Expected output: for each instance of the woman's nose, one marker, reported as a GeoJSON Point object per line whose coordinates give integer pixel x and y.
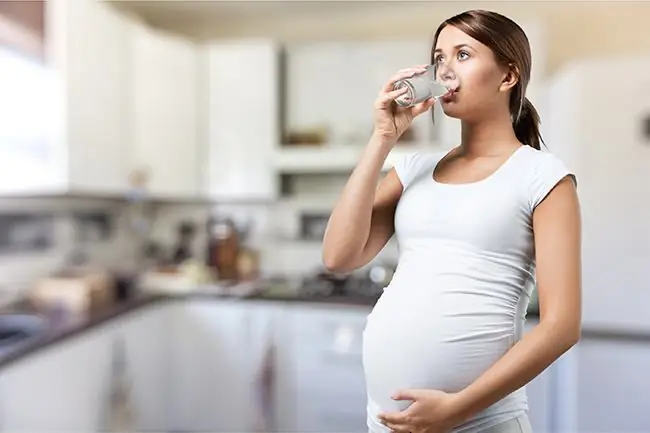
{"type": "Point", "coordinates": [444, 72]}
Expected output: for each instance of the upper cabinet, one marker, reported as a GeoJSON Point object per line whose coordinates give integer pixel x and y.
{"type": "Point", "coordinates": [330, 89]}
{"type": "Point", "coordinates": [332, 86]}
{"type": "Point", "coordinates": [243, 120]}
{"type": "Point", "coordinates": [88, 48]}
{"type": "Point", "coordinates": [64, 121]}
{"type": "Point", "coordinates": [113, 97]}
{"type": "Point", "coordinates": [166, 114]}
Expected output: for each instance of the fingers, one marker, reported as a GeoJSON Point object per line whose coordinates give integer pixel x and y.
{"type": "Point", "coordinates": [401, 74]}
{"type": "Point", "coordinates": [385, 99]}
{"type": "Point", "coordinates": [395, 424]}
{"type": "Point", "coordinates": [388, 95]}
{"type": "Point", "coordinates": [422, 107]}
{"type": "Point", "coordinates": [397, 428]}
{"type": "Point", "coordinates": [393, 418]}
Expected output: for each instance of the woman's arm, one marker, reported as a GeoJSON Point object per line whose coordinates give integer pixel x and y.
{"type": "Point", "coordinates": [557, 231]}
{"type": "Point", "coordinates": [362, 220]}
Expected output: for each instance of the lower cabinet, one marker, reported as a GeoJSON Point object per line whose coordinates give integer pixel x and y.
{"type": "Point", "coordinates": [199, 365]}
{"type": "Point", "coordinates": [66, 387]}
{"type": "Point", "coordinates": [60, 389]}
{"type": "Point", "coordinates": [193, 366]}
{"type": "Point", "coordinates": [320, 381]}
{"type": "Point", "coordinates": [216, 360]}
{"type": "Point", "coordinates": [148, 351]}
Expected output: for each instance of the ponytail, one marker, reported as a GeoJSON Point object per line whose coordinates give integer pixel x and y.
{"type": "Point", "coordinates": [526, 125]}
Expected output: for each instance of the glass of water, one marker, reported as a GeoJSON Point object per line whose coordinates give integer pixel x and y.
{"type": "Point", "coordinates": [420, 87]}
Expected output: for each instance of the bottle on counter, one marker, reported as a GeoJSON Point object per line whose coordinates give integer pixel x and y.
{"type": "Point", "coordinates": [224, 246]}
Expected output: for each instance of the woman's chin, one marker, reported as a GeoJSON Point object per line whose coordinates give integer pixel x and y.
{"type": "Point", "coordinates": [451, 110]}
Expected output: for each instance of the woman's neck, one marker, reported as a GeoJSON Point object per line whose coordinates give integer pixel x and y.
{"type": "Point", "coordinates": [488, 137]}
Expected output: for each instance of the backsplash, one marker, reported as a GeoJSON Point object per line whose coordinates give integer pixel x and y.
{"type": "Point", "coordinates": [39, 236]}
{"type": "Point", "coordinates": [22, 232]}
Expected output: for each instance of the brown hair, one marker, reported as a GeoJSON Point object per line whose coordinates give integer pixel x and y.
{"type": "Point", "coordinates": [510, 46]}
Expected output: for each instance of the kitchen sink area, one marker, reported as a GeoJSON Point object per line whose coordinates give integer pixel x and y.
{"type": "Point", "coordinates": [20, 328]}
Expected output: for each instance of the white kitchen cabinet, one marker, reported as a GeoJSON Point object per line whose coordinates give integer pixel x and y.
{"type": "Point", "coordinates": [166, 110]}
{"type": "Point", "coordinates": [116, 96]}
{"type": "Point", "coordinates": [243, 119]}
{"type": "Point", "coordinates": [66, 388]}
{"type": "Point", "coordinates": [321, 384]}
{"type": "Point", "coordinates": [191, 366]}
{"type": "Point", "coordinates": [211, 383]}
{"type": "Point", "coordinates": [68, 122]}
{"type": "Point", "coordinates": [88, 47]}
{"type": "Point", "coordinates": [318, 74]}
{"type": "Point", "coordinates": [147, 337]}
{"type": "Point", "coordinates": [61, 389]}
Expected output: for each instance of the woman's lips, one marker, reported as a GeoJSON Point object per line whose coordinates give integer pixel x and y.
{"type": "Point", "coordinates": [450, 95]}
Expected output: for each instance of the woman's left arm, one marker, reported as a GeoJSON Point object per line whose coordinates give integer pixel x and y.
{"type": "Point", "coordinates": [558, 239]}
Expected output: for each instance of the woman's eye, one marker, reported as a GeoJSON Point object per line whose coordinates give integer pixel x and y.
{"type": "Point", "coordinates": [437, 60]}
{"type": "Point", "coordinates": [463, 55]}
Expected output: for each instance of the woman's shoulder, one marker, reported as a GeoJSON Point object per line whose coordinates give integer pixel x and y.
{"type": "Point", "coordinates": [543, 171]}
{"type": "Point", "coordinates": [543, 163]}
{"type": "Point", "coordinates": [540, 156]}
{"type": "Point", "coordinates": [412, 165]}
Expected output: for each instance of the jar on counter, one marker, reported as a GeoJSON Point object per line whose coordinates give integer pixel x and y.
{"type": "Point", "coordinates": [224, 246]}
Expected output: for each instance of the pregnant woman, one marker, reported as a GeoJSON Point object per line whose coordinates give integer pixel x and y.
{"type": "Point", "coordinates": [443, 347]}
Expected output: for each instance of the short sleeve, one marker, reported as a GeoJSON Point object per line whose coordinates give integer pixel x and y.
{"type": "Point", "coordinates": [405, 167]}
{"type": "Point", "coordinates": [413, 165]}
{"type": "Point", "coordinates": [547, 173]}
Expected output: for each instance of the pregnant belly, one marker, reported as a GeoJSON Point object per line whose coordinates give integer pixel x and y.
{"type": "Point", "coordinates": [411, 342]}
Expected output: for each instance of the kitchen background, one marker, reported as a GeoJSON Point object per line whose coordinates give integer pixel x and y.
{"type": "Point", "coordinates": [166, 171]}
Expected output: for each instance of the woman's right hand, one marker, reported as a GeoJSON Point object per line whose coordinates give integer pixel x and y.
{"type": "Point", "coordinates": [392, 120]}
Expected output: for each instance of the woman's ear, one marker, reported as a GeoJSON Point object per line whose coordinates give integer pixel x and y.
{"type": "Point", "coordinates": [510, 79]}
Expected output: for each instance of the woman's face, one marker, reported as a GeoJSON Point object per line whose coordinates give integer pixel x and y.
{"type": "Point", "coordinates": [470, 67]}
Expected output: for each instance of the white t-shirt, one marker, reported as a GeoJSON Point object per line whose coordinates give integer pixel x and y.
{"type": "Point", "coordinates": [458, 299]}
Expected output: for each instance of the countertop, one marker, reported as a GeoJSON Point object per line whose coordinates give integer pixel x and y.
{"type": "Point", "coordinates": [59, 333]}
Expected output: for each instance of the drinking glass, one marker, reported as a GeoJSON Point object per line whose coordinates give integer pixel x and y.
{"type": "Point", "coordinates": [420, 87]}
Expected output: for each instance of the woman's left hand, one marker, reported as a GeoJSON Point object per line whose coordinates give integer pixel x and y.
{"type": "Point", "coordinates": [432, 411]}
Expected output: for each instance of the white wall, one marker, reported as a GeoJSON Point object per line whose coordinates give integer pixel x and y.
{"type": "Point", "coordinates": [596, 128]}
